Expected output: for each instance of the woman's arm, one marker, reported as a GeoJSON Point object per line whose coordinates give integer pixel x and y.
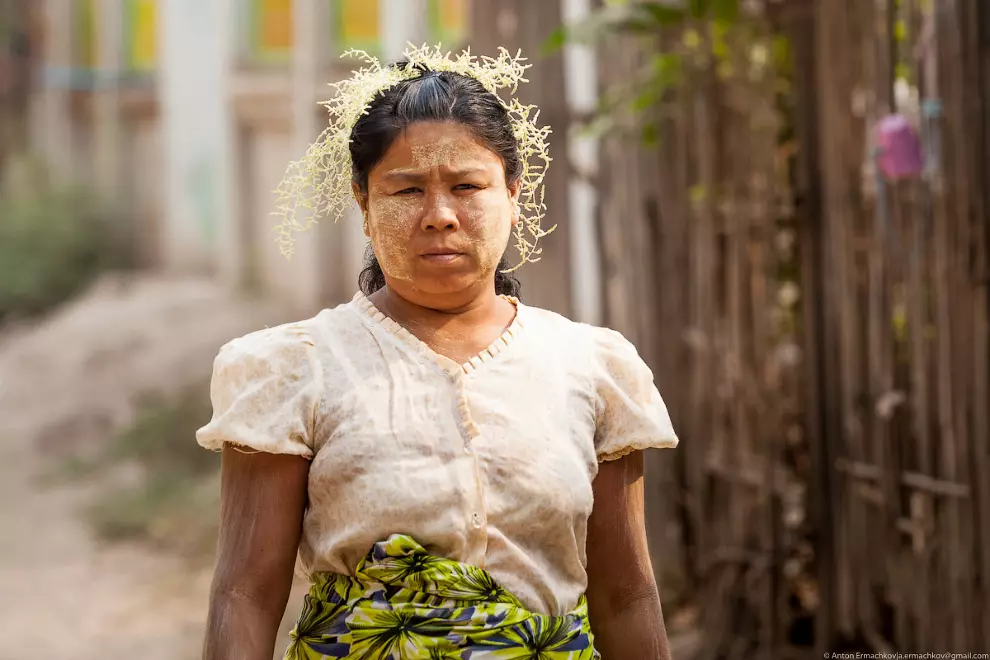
{"type": "Point", "coordinates": [622, 593]}
{"type": "Point", "coordinates": [263, 497]}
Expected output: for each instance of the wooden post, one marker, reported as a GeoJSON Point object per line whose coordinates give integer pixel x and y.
{"type": "Point", "coordinates": [107, 128]}
{"type": "Point", "coordinates": [581, 85]}
{"type": "Point", "coordinates": [403, 21]}
{"type": "Point", "coordinates": [51, 120]}
{"type": "Point", "coordinates": [19, 53]}
{"type": "Point", "coordinates": [981, 357]}
{"type": "Point", "coordinates": [306, 261]}
{"type": "Point", "coordinates": [200, 230]}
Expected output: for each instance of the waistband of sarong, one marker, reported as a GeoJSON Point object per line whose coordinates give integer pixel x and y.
{"type": "Point", "coordinates": [400, 586]}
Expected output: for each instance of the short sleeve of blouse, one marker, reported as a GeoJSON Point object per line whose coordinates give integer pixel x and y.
{"type": "Point", "coordinates": [265, 390]}
{"type": "Point", "coordinates": [631, 415]}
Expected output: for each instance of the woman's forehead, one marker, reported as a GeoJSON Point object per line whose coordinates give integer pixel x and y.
{"type": "Point", "coordinates": [426, 146]}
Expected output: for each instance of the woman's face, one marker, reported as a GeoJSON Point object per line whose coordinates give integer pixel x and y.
{"type": "Point", "coordinates": [438, 211]}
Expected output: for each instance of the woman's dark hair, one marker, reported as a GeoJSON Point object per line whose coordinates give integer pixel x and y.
{"type": "Point", "coordinates": [433, 96]}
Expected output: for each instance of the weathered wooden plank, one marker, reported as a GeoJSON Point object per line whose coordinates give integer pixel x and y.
{"type": "Point", "coordinates": [980, 448]}
{"type": "Point", "coordinates": [981, 458]}
{"type": "Point", "coordinates": [935, 486]}
{"type": "Point", "coordinates": [818, 400]}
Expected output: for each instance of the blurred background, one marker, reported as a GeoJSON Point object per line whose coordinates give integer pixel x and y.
{"type": "Point", "coordinates": [784, 204]}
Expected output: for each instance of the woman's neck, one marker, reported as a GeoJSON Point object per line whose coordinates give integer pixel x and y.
{"type": "Point", "coordinates": [459, 310]}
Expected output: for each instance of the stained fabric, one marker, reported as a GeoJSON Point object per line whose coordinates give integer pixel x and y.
{"type": "Point", "coordinates": [489, 463]}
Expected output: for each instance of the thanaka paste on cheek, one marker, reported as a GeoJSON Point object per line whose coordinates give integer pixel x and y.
{"type": "Point", "coordinates": [390, 225]}
{"type": "Point", "coordinates": [489, 229]}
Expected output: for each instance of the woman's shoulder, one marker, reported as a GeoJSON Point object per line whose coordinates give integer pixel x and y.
{"type": "Point", "coordinates": [272, 338]}
{"type": "Point", "coordinates": [558, 327]}
{"type": "Point", "coordinates": [290, 337]}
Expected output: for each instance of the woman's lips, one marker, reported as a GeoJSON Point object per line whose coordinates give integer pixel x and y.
{"type": "Point", "coordinates": [442, 257]}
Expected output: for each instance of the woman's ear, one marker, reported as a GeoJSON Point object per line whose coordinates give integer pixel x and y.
{"type": "Point", "coordinates": [362, 200]}
{"type": "Point", "coordinates": [514, 189]}
{"type": "Point", "coordinates": [360, 197]}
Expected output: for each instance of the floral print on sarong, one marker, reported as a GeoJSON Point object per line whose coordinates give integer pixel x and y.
{"type": "Point", "coordinates": [405, 604]}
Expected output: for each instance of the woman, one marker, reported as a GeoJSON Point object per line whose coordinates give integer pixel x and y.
{"type": "Point", "coordinates": [459, 473]}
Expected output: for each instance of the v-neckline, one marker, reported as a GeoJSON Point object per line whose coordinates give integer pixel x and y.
{"type": "Point", "coordinates": [371, 311]}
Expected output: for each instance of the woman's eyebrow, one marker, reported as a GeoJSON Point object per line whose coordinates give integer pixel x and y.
{"type": "Point", "coordinates": [403, 174]}
{"type": "Point", "coordinates": [468, 171]}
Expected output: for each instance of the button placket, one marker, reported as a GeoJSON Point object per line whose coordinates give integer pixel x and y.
{"type": "Point", "coordinates": [477, 518]}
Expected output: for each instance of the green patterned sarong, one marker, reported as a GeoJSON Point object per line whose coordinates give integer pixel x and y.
{"type": "Point", "coordinates": [405, 604]}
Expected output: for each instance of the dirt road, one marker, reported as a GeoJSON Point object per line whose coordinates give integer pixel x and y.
{"type": "Point", "coordinates": [66, 384]}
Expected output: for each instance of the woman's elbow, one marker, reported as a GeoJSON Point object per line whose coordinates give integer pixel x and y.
{"type": "Point", "coordinates": [242, 590]}
{"type": "Point", "coordinates": [241, 623]}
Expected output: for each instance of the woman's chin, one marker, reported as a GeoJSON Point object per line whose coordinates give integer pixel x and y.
{"type": "Point", "coordinates": [452, 275]}
{"type": "Point", "coordinates": [447, 280]}
{"type": "Point", "coordinates": [442, 286]}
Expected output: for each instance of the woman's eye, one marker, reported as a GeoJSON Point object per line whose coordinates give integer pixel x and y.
{"type": "Point", "coordinates": [466, 186]}
{"type": "Point", "coordinates": [407, 191]}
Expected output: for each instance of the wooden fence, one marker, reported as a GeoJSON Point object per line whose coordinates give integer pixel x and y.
{"type": "Point", "coordinates": [904, 332]}
{"type": "Point", "coordinates": [820, 332]}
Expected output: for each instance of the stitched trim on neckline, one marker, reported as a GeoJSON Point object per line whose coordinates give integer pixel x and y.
{"type": "Point", "coordinates": [365, 305]}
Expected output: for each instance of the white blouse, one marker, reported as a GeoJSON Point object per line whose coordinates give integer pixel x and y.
{"type": "Point", "coordinates": [489, 462]}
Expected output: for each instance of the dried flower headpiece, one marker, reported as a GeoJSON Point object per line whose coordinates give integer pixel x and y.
{"type": "Point", "coordinates": [320, 184]}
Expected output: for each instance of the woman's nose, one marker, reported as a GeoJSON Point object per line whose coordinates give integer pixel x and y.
{"type": "Point", "coordinates": [440, 214]}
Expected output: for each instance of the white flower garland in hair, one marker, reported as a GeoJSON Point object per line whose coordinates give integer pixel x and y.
{"type": "Point", "coordinates": [319, 185]}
